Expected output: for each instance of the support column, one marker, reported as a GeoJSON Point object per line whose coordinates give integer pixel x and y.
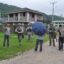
{"type": "Point", "coordinates": [27, 16]}
{"type": "Point", "coordinates": [14, 17]}
{"type": "Point", "coordinates": [18, 16]}
{"type": "Point", "coordinates": [8, 18]}
{"type": "Point", "coordinates": [36, 18]}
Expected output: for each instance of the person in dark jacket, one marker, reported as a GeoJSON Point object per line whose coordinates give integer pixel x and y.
{"type": "Point", "coordinates": [61, 37]}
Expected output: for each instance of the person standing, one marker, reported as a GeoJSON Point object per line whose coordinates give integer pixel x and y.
{"type": "Point", "coordinates": [29, 31]}
{"type": "Point", "coordinates": [6, 35]}
{"type": "Point", "coordinates": [39, 30]}
{"type": "Point", "coordinates": [19, 31]}
{"type": "Point", "coordinates": [61, 37]}
{"type": "Point", "coordinates": [22, 30]}
{"type": "Point", "coordinates": [39, 41]}
{"type": "Point", "coordinates": [52, 35]}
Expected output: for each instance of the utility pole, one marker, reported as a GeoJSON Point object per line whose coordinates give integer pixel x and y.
{"type": "Point", "coordinates": [53, 3]}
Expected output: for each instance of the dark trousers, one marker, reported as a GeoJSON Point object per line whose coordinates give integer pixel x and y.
{"type": "Point", "coordinates": [52, 41]}
{"type": "Point", "coordinates": [61, 40]}
{"type": "Point", "coordinates": [29, 36]}
{"type": "Point", "coordinates": [6, 40]}
{"type": "Point", "coordinates": [37, 43]}
{"type": "Point", "coordinates": [19, 38]}
{"type": "Point", "coordinates": [22, 35]}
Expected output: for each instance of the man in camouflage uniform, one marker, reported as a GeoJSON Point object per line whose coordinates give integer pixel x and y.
{"type": "Point", "coordinates": [19, 31]}
{"type": "Point", "coordinates": [29, 31]}
{"type": "Point", "coordinates": [52, 35]}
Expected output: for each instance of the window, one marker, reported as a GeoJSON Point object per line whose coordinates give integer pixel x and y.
{"type": "Point", "coordinates": [11, 15]}
{"type": "Point", "coordinates": [16, 14]}
{"type": "Point", "coordinates": [24, 13]}
{"type": "Point", "coordinates": [32, 15]}
{"type": "Point", "coordinates": [56, 23]}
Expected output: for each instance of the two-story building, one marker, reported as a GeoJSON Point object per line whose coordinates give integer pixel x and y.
{"type": "Point", "coordinates": [24, 15]}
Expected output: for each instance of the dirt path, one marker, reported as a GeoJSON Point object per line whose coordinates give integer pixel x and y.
{"type": "Point", "coordinates": [49, 55]}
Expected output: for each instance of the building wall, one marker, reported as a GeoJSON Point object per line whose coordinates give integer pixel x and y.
{"type": "Point", "coordinates": [32, 17]}
{"type": "Point", "coordinates": [57, 23]}
{"type": "Point", "coordinates": [25, 16]}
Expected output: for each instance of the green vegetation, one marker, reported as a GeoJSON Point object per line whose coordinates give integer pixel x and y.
{"type": "Point", "coordinates": [14, 49]}
{"type": "Point", "coordinates": [55, 17]}
{"type": "Point", "coordinates": [4, 8]}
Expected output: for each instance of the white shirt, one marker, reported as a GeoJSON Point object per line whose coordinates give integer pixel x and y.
{"type": "Point", "coordinates": [39, 37]}
{"type": "Point", "coordinates": [7, 30]}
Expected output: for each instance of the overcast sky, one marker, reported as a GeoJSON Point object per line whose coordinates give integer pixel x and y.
{"type": "Point", "coordinates": [44, 6]}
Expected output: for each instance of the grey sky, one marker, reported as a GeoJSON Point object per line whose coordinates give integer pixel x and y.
{"type": "Point", "coordinates": [44, 6]}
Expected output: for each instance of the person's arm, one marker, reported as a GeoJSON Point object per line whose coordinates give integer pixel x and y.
{"type": "Point", "coordinates": [4, 29]}
{"type": "Point", "coordinates": [21, 30]}
{"type": "Point", "coordinates": [48, 30]}
{"type": "Point", "coordinates": [16, 30]}
{"type": "Point", "coordinates": [26, 28]}
{"type": "Point", "coordinates": [59, 32]}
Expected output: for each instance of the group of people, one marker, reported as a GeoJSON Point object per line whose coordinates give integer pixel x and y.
{"type": "Point", "coordinates": [19, 31]}
{"type": "Point", "coordinates": [56, 33]}
{"type": "Point", "coordinates": [52, 32]}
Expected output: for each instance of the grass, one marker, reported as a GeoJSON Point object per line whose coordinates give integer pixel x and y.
{"type": "Point", "coordinates": [13, 50]}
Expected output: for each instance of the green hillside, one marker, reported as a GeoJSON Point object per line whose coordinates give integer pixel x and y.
{"type": "Point", "coordinates": [4, 8]}
{"type": "Point", "coordinates": [55, 17]}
